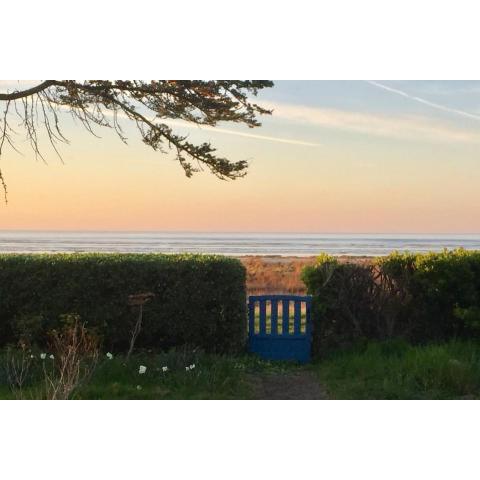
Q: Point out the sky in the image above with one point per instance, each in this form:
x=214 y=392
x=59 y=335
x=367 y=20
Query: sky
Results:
x=334 y=157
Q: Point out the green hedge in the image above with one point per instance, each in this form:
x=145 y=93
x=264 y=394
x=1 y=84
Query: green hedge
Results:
x=420 y=297
x=199 y=300
x=441 y=290
x=343 y=307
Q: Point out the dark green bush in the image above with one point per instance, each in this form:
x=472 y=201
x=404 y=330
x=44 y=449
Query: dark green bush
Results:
x=443 y=291
x=199 y=300
x=420 y=297
x=341 y=305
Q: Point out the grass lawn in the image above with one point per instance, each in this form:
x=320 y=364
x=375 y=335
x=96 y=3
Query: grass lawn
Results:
x=388 y=370
x=212 y=377
x=396 y=370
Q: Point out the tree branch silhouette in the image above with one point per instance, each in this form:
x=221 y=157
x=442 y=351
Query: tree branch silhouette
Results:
x=101 y=103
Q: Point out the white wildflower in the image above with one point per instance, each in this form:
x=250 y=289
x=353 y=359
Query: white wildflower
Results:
x=164 y=369
x=139 y=387
x=32 y=356
x=51 y=357
x=142 y=369
x=187 y=368
x=109 y=355
x=43 y=356
x=192 y=366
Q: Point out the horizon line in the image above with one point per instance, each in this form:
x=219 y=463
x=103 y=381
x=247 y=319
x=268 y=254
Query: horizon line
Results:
x=233 y=232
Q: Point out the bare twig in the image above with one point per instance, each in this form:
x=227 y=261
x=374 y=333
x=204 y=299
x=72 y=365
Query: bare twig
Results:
x=18 y=369
x=139 y=299
x=75 y=353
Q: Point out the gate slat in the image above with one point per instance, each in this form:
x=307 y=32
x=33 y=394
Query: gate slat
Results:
x=308 y=326
x=273 y=345
x=285 y=317
x=274 y=315
x=251 y=317
x=263 y=317
x=297 y=319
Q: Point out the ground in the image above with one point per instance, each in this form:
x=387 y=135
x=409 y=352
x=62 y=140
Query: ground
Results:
x=297 y=385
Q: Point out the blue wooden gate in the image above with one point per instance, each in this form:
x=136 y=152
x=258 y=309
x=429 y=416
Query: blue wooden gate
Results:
x=273 y=333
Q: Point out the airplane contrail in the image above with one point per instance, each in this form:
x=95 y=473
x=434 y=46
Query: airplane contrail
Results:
x=241 y=134
x=193 y=126
x=197 y=127
x=423 y=101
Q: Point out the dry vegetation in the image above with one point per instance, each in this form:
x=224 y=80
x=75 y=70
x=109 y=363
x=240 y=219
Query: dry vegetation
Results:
x=274 y=274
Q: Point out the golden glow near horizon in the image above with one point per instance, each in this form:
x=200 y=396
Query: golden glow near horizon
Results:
x=334 y=157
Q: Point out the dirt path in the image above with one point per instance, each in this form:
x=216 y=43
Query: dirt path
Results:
x=301 y=385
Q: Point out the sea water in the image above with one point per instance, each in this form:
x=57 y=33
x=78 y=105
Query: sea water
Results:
x=284 y=244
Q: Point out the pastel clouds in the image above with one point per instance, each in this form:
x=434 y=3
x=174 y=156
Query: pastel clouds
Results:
x=400 y=126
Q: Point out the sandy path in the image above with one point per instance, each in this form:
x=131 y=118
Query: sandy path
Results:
x=301 y=385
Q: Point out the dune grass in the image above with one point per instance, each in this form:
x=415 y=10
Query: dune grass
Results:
x=275 y=276
x=397 y=370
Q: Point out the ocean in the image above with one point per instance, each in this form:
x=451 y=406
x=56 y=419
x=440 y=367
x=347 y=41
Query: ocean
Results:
x=284 y=244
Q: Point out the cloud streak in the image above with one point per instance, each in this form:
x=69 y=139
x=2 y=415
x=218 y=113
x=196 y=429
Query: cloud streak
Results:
x=412 y=127
x=226 y=131
x=7 y=85
x=437 y=106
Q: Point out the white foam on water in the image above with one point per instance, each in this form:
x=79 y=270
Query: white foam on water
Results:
x=285 y=244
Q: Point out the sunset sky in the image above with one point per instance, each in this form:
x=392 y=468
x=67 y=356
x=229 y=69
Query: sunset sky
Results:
x=350 y=156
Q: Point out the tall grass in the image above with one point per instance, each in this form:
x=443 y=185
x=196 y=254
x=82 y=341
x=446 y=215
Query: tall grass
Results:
x=189 y=375
x=212 y=377
x=270 y=276
x=397 y=370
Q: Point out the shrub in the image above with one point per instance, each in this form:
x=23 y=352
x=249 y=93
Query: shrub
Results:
x=420 y=297
x=443 y=291
x=197 y=300
x=348 y=304
x=75 y=355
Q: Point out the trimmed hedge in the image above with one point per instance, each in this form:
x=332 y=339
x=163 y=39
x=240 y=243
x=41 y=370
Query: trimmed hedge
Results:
x=419 y=297
x=200 y=300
